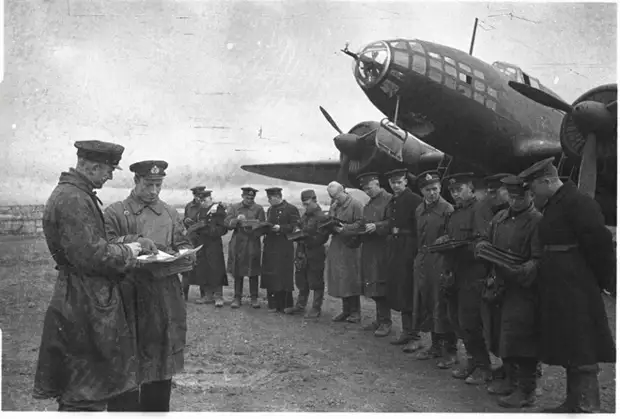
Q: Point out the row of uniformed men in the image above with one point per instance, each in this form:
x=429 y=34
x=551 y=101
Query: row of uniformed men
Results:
x=114 y=333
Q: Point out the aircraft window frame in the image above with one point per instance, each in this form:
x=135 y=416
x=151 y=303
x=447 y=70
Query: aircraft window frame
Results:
x=417 y=59
x=465 y=78
x=491 y=104
x=479 y=74
x=449 y=82
x=434 y=63
x=492 y=92
x=417 y=47
x=439 y=75
x=450 y=61
x=479 y=97
x=400 y=44
x=451 y=71
x=479 y=85
x=534 y=82
x=434 y=55
x=465 y=67
x=464 y=89
x=400 y=55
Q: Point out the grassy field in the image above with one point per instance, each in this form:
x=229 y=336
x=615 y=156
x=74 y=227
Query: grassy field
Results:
x=249 y=360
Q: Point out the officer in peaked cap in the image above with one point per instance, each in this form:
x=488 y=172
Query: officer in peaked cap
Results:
x=458 y=179
x=427 y=178
x=244 y=248
x=366 y=178
x=278 y=252
x=515 y=185
x=496 y=197
x=87 y=261
x=150 y=169
x=578 y=261
x=190 y=217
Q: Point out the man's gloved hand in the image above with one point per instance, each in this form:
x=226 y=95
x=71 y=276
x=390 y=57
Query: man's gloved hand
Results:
x=148 y=246
x=188 y=221
x=135 y=248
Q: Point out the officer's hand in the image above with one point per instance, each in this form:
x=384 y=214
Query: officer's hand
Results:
x=241 y=217
x=371 y=228
x=275 y=228
x=148 y=246
x=188 y=221
x=480 y=244
x=135 y=248
x=442 y=239
x=338 y=229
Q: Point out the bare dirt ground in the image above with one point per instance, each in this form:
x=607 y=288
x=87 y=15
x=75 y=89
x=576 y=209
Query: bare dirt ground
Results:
x=249 y=360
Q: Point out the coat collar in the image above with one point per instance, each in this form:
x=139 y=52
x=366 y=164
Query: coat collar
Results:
x=564 y=190
x=137 y=206
x=508 y=213
x=466 y=204
x=73 y=177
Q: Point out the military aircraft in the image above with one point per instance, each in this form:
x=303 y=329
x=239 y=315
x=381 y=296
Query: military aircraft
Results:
x=448 y=110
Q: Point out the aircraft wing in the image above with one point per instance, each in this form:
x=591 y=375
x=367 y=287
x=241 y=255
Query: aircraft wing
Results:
x=319 y=172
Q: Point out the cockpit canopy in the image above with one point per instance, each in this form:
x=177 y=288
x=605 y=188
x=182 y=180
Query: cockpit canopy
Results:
x=515 y=73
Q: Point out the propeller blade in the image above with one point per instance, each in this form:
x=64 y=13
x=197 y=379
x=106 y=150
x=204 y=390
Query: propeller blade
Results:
x=613 y=107
x=343 y=173
x=587 y=169
x=541 y=97
x=330 y=120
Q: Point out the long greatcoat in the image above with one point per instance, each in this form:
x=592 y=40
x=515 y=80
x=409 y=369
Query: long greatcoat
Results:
x=210 y=269
x=374 y=246
x=244 y=248
x=342 y=265
x=515 y=334
x=159 y=306
x=88 y=348
x=574 y=325
x=310 y=252
x=191 y=211
x=278 y=251
x=429 y=307
x=401 y=248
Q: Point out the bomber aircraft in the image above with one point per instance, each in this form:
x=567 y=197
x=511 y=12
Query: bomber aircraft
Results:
x=450 y=111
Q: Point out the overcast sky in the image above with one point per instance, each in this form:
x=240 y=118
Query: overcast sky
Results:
x=192 y=82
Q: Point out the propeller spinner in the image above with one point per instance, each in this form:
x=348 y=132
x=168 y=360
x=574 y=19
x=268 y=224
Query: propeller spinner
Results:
x=588 y=128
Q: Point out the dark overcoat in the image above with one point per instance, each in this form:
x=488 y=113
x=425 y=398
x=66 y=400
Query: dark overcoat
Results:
x=515 y=331
x=374 y=246
x=244 y=248
x=429 y=307
x=159 y=306
x=401 y=249
x=210 y=269
x=88 y=346
x=278 y=250
x=574 y=324
x=310 y=251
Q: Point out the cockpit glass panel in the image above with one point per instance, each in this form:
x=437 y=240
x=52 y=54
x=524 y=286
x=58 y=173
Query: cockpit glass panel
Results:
x=450 y=61
x=534 y=83
x=434 y=55
x=399 y=44
x=435 y=63
x=419 y=64
x=479 y=97
x=464 y=89
x=479 y=74
x=401 y=58
x=491 y=104
x=479 y=85
x=492 y=92
x=416 y=47
x=372 y=64
x=450 y=82
x=450 y=70
x=465 y=67
x=435 y=75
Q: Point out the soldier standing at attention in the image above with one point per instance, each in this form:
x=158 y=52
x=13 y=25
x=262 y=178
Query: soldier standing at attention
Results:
x=279 y=252
x=310 y=257
x=578 y=262
x=342 y=266
x=468 y=222
x=401 y=247
x=244 y=248
x=190 y=217
x=87 y=355
x=430 y=308
x=516 y=338
x=156 y=295
x=374 y=252
x=210 y=269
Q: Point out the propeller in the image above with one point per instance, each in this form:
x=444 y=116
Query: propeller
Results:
x=588 y=128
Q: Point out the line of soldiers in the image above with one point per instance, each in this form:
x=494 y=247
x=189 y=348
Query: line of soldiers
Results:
x=115 y=331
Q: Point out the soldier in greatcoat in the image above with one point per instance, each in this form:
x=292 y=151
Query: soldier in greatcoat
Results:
x=88 y=353
x=468 y=222
x=244 y=248
x=515 y=336
x=342 y=266
x=279 y=252
x=155 y=294
x=401 y=248
x=210 y=269
x=374 y=252
x=190 y=216
x=310 y=257
x=578 y=262
x=430 y=308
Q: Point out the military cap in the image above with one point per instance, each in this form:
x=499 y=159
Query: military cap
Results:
x=428 y=177
x=396 y=173
x=458 y=179
x=197 y=189
x=203 y=193
x=495 y=181
x=308 y=194
x=100 y=152
x=151 y=169
x=248 y=190
x=515 y=185
x=273 y=191
x=364 y=178
x=539 y=169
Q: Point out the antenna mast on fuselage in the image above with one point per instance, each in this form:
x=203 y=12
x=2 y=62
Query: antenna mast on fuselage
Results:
x=473 y=37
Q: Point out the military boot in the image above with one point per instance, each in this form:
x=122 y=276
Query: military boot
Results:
x=406 y=334
x=300 y=306
x=464 y=370
x=433 y=352
x=346 y=311
x=481 y=375
x=236 y=303
x=186 y=292
x=371 y=327
x=505 y=385
x=449 y=351
x=383 y=330
x=317 y=303
x=587 y=393
x=524 y=394
x=255 y=303
x=356 y=310
x=569 y=405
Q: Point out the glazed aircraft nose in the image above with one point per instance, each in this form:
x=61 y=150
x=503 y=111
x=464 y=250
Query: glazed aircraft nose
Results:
x=372 y=64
